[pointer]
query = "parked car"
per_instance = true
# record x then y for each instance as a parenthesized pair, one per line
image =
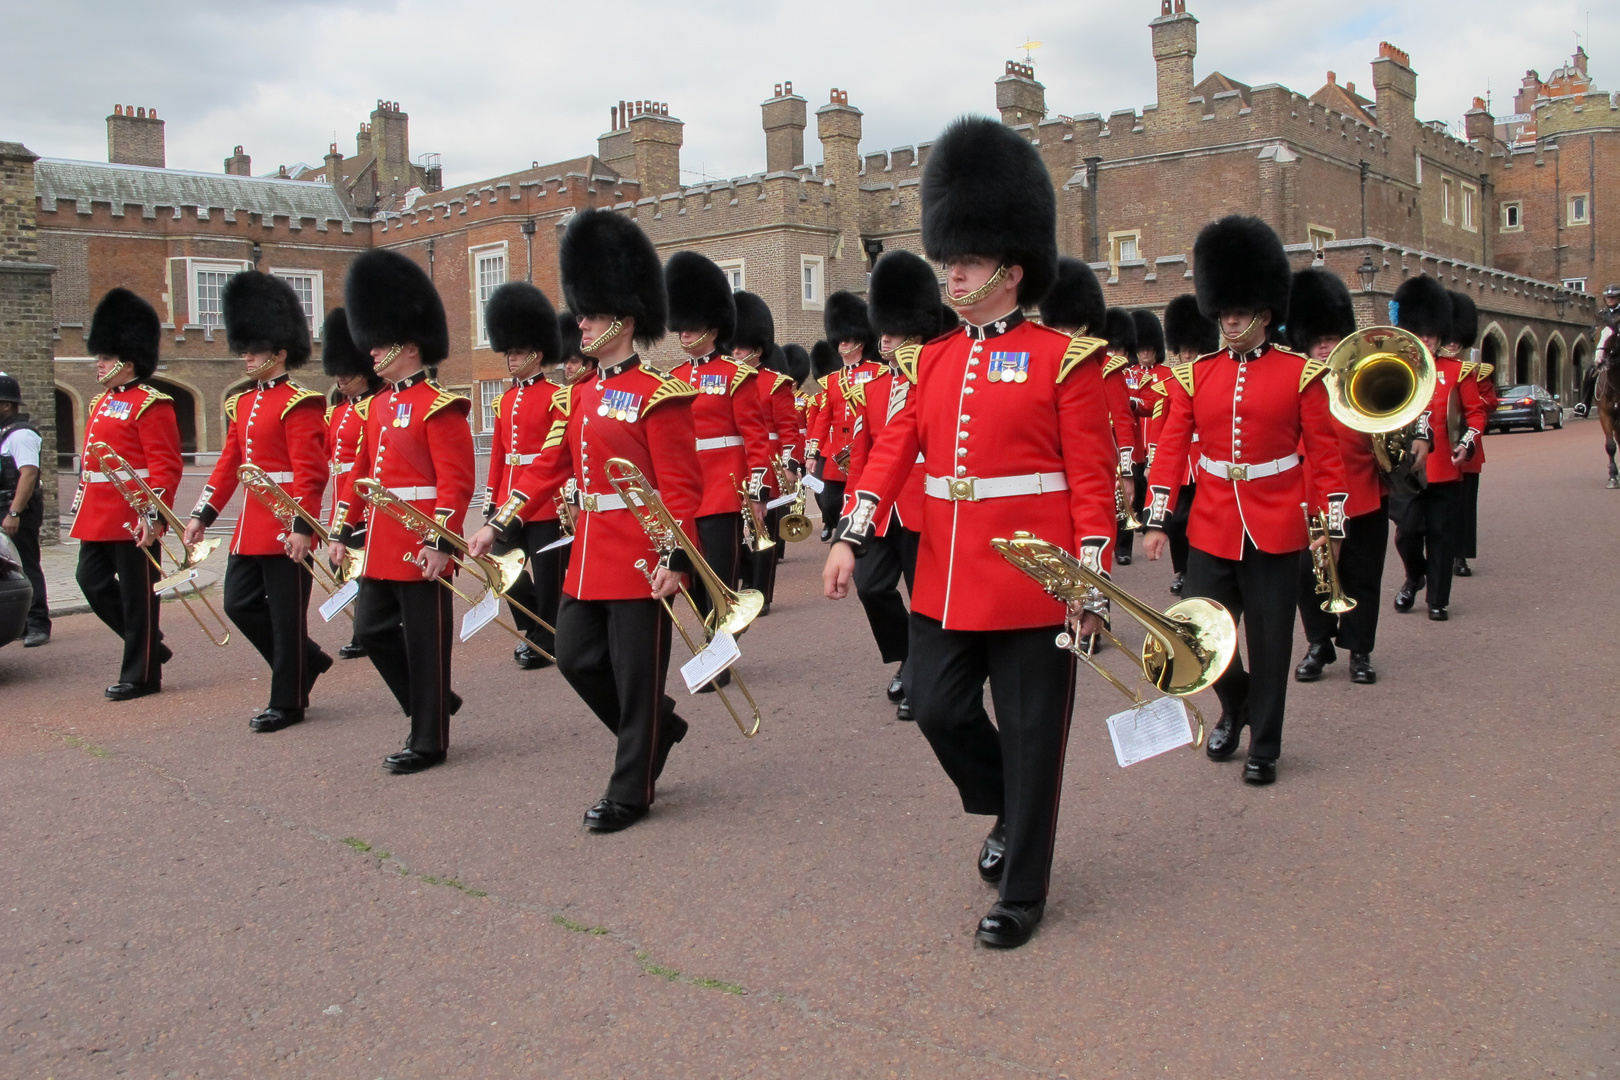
(1525, 406)
(16, 593)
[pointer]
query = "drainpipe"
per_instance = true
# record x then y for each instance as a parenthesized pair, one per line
(1092, 164)
(1366, 166)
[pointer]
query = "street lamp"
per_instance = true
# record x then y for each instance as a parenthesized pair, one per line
(257, 252)
(1367, 272)
(1561, 300)
(528, 242)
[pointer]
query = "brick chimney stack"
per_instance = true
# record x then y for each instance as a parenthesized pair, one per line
(1175, 44)
(1478, 123)
(1394, 88)
(334, 167)
(135, 137)
(838, 125)
(1020, 98)
(656, 138)
(238, 164)
(785, 119)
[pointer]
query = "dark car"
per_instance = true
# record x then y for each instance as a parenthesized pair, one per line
(1525, 406)
(16, 593)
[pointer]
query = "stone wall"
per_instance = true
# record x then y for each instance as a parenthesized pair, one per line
(26, 319)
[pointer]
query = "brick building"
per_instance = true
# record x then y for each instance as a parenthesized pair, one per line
(25, 305)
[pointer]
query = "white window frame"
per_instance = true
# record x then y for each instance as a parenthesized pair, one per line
(1470, 207)
(1516, 207)
(1574, 284)
(812, 289)
(228, 267)
(489, 392)
(1584, 217)
(1447, 198)
(736, 272)
(475, 259)
(1319, 236)
(1116, 247)
(317, 294)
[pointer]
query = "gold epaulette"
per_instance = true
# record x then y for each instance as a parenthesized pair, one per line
(780, 378)
(152, 394)
(668, 390)
(744, 373)
(495, 406)
(1115, 362)
(1080, 349)
(230, 405)
(1286, 349)
(563, 400)
(1468, 368)
(905, 358)
(95, 403)
(1313, 369)
(1484, 372)
(330, 409)
(1184, 375)
(363, 407)
(446, 399)
(301, 394)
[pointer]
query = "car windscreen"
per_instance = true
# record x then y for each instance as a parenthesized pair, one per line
(1517, 391)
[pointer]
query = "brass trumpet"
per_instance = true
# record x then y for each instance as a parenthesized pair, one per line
(286, 510)
(1325, 565)
(1188, 645)
(732, 610)
(755, 536)
(1379, 380)
(496, 573)
(148, 504)
(794, 526)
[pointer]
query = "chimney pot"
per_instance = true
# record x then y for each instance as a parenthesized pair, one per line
(1333, 77)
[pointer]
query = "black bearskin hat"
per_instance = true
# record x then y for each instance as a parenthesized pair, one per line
(985, 191)
(1319, 306)
(263, 314)
(127, 327)
(569, 332)
(798, 363)
(1186, 328)
(846, 319)
(1120, 330)
(1239, 265)
(1422, 306)
(824, 359)
(755, 327)
(1149, 334)
(519, 317)
(904, 294)
(609, 267)
(341, 358)
(1075, 304)
(1464, 330)
(700, 297)
(773, 359)
(392, 302)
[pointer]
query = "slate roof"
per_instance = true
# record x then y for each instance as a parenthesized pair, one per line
(86, 182)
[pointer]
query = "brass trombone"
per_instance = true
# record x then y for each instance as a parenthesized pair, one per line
(1379, 380)
(794, 526)
(497, 573)
(286, 510)
(731, 610)
(1325, 565)
(148, 504)
(755, 536)
(1188, 646)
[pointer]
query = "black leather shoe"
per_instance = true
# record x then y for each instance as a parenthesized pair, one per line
(993, 855)
(1461, 569)
(1010, 923)
(411, 761)
(1123, 559)
(826, 535)
(127, 691)
(897, 690)
(902, 711)
(671, 733)
(1317, 657)
(1259, 773)
(1361, 669)
(1223, 740)
(529, 658)
(275, 720)
(36, 638)
(610, 816)
(322, 666)
(1438, 614)
(352, 651)
(455, 703)
(1406, 597)
(1177, 582)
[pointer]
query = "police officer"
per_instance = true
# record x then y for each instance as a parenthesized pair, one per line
(1606, 333)
(21, 505)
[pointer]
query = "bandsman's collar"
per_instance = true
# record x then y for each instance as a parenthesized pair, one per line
(410, 380)
(699, 361)
(530, 381)
(266, 384)
(627, 364)
(1253, 354)
(996, 328)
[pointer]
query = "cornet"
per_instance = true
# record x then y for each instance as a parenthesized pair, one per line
(794, 526)
(1325, 565)
(755, 536)
(1122, 510)
(286, 510)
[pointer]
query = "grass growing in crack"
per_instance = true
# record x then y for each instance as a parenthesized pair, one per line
(653, 968)
(357, 843)
(718, 984)
(656, 969)
(578, 927)
(74, 742)
(404, 871)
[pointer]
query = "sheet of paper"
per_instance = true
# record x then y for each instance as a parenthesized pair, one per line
(780, 500)
(560, 542)
(480, 614)
(1149, 730)
(718, 655)
(173, 581)
(814, 483)
(340, 599)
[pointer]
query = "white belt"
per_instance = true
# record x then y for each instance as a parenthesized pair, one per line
(721, 443)
(1245, 471)
(102, 478)
(774, 436)
(340, 469)
(595, 504)
(521, 459)
(280, 477)
(975, 488)
(414, 494)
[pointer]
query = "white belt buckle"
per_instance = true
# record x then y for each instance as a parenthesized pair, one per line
(963, 489)
(588, 503)
(514, 459)
(1237, 472)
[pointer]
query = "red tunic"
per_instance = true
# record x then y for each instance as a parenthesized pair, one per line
(523, 418)
(880, 401)
(1487, 404)
(421, 448)
(280, 427)
(345, 437)
(1251, 410)
(1048, 430)
(139, 423)
(1452, 375)
(781, 414)
(733, 443)
(630, 412)
(1120, 417)
(1365, 483)
(1140, 384)
(832, 426)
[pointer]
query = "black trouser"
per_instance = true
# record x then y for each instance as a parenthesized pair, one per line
(1176, 528)
(27, 541)
(878, 571)
(405, 627)
(1361, 573)
(1138, 480)
(1468, 535)
(1588, 386)
(116, 578)
(1427, 539)
(267, 597)
(1013, 767)
(615, 654)
(721, 537)
(1261, 589)
(831, 501)
(540, 588)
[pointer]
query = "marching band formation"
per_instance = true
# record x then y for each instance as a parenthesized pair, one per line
(998, 464)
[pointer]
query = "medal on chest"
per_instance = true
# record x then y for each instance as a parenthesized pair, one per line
(621, 405)
(712, 384)
(1008, 367)
(117, 410)
(402, 414)
(863, 376)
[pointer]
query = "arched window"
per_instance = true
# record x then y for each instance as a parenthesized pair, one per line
(1524, 360)
(185, 412)
(1555, 366)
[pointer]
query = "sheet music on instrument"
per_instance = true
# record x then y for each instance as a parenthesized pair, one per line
(174, 581)
(780, 500)
(340, 599)
(559, 542)
(480, 614)
(718, 655)
(813, 482)
(1149, 730)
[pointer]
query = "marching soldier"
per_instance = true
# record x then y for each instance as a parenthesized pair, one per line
(849, 332)
(1320, 315)
(612, 632)
(279, 426)
(1427, 521)
(1252, 406)
(115, 573)
(754, 346)
(1120, 331)
(1466, 315)
(818, 393)
(1188, 335)
(732, 440)
(1013, 427)
(523, 325)
(357, 384)
(419, 447)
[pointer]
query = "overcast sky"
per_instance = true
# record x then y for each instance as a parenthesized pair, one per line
(492, 87)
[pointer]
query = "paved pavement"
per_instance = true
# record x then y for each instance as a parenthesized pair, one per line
(1430, 890)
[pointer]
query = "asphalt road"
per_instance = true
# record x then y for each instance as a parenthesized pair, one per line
(1428, 891)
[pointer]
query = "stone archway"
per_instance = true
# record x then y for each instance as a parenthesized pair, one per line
(1555, 383)
(1492, 347)
(67, 427)
(1524, 359)
(185, 413)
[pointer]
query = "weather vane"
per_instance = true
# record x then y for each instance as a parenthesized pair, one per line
(1029, 48)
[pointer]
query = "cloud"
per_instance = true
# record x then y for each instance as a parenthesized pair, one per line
(491, 88)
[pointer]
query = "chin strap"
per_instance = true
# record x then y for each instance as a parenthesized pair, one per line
(388, 358)
(589, 347)
(1232, 341)
(107, 379)
(981, 292)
